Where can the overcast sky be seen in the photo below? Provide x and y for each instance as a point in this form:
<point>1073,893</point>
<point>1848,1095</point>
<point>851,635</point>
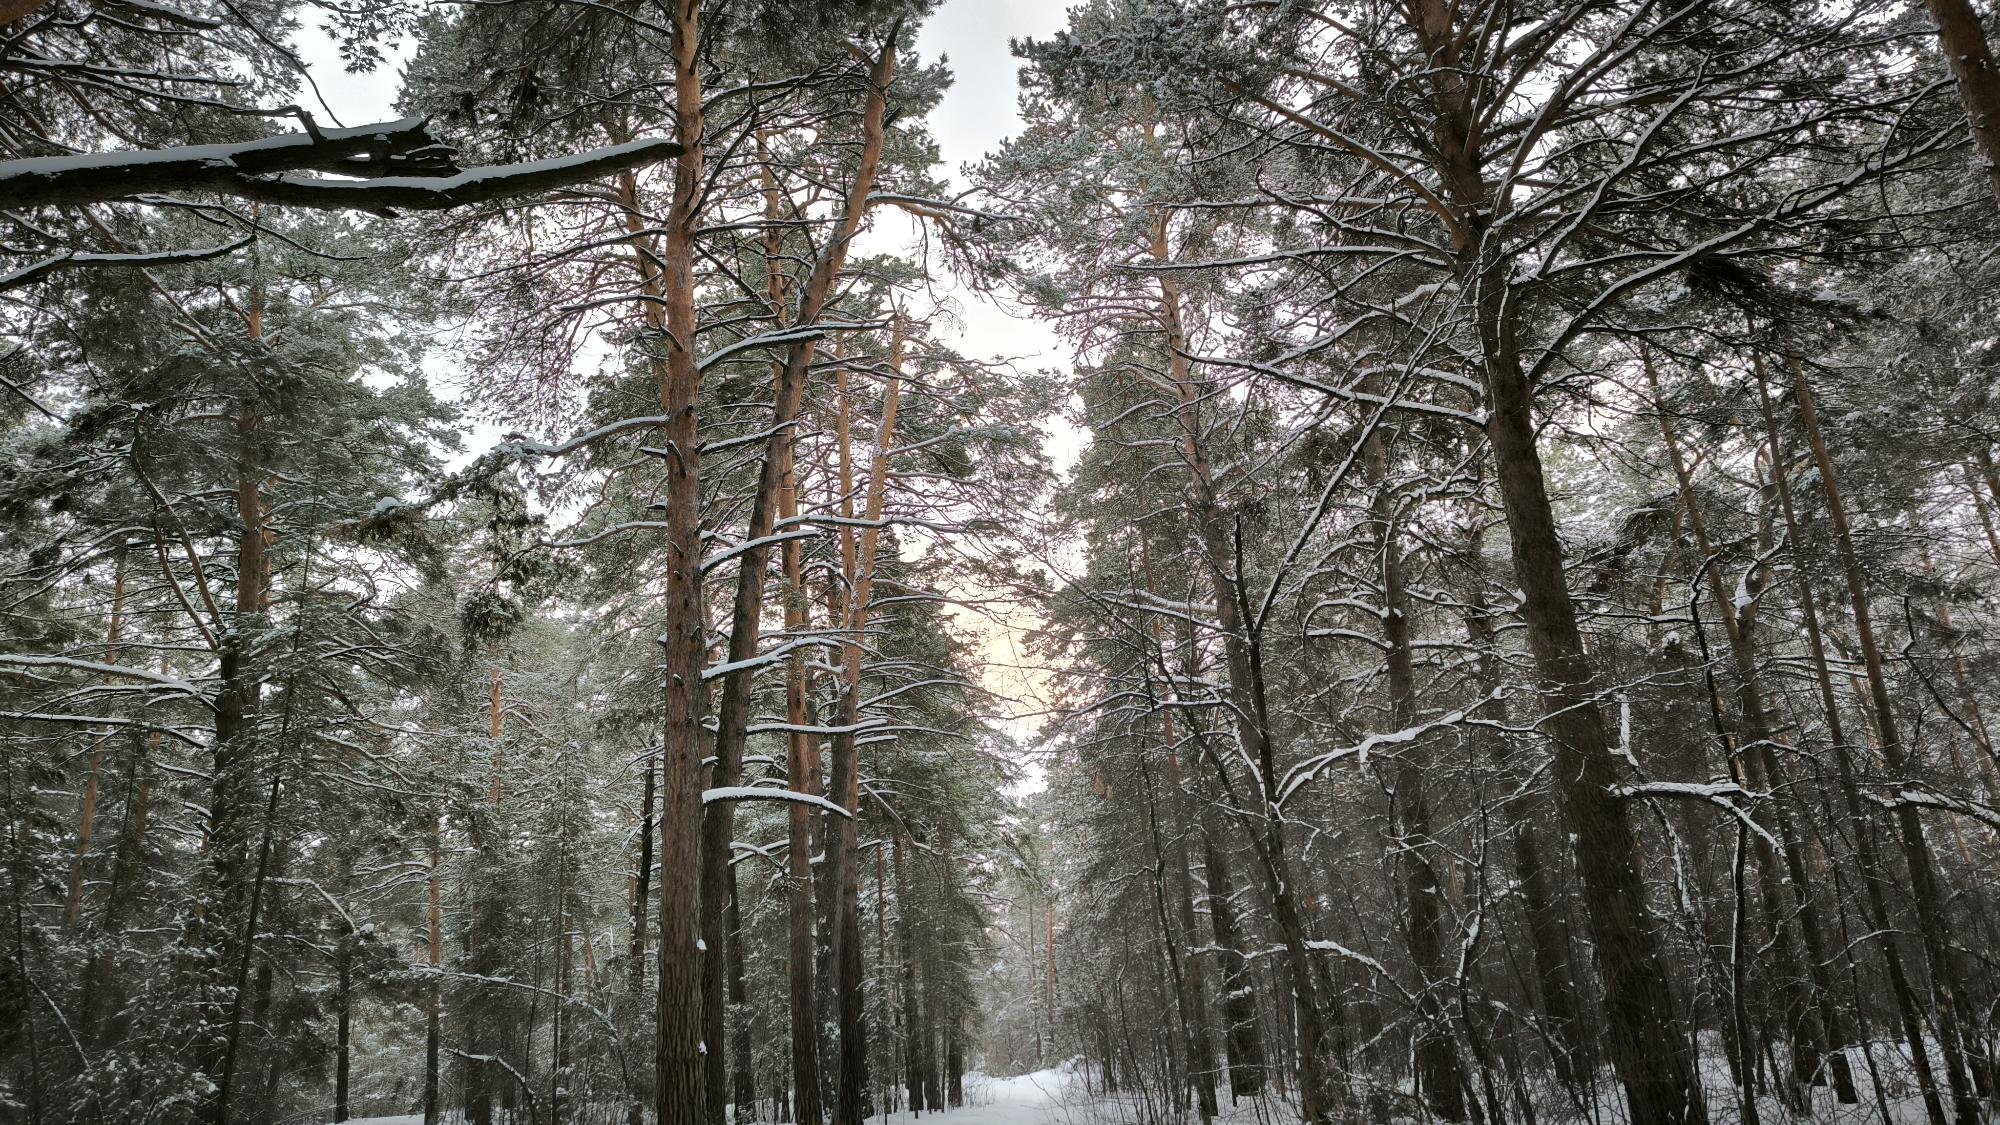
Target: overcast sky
<point>976,113</point>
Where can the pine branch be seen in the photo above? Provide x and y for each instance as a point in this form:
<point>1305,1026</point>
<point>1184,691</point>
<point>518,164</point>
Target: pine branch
<point>393,165</point>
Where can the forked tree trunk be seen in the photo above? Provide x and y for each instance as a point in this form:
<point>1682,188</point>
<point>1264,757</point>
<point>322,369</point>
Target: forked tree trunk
<point>858,565</point>
<point>746,616</point>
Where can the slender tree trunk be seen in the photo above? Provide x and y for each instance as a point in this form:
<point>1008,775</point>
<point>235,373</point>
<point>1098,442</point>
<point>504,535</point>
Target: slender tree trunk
<point>739,1001</point>
<point>1761,766</point>
<point>343,1034</point>
<point>1649,1045</point>
<point>1319,1097</point>
<point>105,1018</point>
<point>1197,1045</point>
<point>635,964</point>
<point>1241,1030</point>
<point>236,708</point>
<point>1049,968</point>
<point>858,562</point>
<point>1873,873</point>
<point>1201,1045</point>
<point>802,770</point>
<point>1548,925</point>
<point>746,617</point>
<point>433,993</point>
<point>86,819</point>
<point>905,935</point>
<point>1441,1079</point>
<point>1932,925</point>
<point>495,708</point>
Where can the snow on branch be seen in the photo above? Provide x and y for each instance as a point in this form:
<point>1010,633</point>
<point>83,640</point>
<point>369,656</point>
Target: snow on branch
<point>766,793</point>
<point>102,721</point>
<point>762,659</point>
<point>929,208</point>
<point>1723,794</point>
<point>1303,774</point>
<point>384,167</point>
<point>38,270</point>
<point>165,683</point>
<point>1919,797</point>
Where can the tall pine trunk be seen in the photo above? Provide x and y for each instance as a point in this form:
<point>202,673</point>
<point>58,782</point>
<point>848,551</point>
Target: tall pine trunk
<point>680,1091</point>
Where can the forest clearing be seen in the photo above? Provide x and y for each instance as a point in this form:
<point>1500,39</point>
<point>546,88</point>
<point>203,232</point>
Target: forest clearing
<point>1151,562</point>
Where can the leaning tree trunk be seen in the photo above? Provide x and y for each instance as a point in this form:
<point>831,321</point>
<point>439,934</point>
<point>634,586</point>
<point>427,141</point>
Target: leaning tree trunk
<point>1873,874</point>
<point>1320,1096</point>
<point>1648,1044</point>
<point>1965,49</point>
<point>1548,924</point>
<point>1808,1020</point>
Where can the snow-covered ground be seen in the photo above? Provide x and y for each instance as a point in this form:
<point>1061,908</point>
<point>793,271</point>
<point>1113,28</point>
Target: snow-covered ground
<point>1028,1099</point>
<point>1058,1096</point>
<point>1046,1097</point>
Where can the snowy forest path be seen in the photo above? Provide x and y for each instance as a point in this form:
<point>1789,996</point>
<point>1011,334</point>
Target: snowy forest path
<point>1042,1097</point>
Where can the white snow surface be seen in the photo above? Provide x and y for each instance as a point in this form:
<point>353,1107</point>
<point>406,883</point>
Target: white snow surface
<point>1058,1096</point>
<point>1045,1097</point>
<point>1039,1098</point>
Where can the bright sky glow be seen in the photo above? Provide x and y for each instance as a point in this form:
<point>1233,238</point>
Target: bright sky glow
<point>977,112</point>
